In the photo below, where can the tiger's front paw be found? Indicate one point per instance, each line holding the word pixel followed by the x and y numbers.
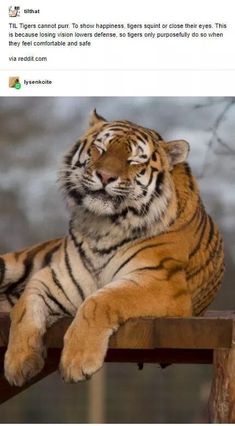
pixel 21 366
pixel 82 355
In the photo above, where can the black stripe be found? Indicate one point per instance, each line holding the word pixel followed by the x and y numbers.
pixel 141 173
pixel 196 248
pixel 50 296
pixel 123 242
pixel 87 263
pixel 59 285
pixel 73 193
pixel 151 177
pixel 141 141
pixel 154 133
pixel 67 262
pixel 117 216
pixel 45 303
pixel 59 304
pixel 215 253
pixel 51 311
pixel 149 268
pixel 211 231
pixel 209 291
pixel 49 254
pixel 8 297
pixel 189 175
pixel 159 183
pixel 144 135
pixel 155 169
pixel 203 217
pixel 118 128
pixel 28 265
pixel 135 254
pixel 68 157
pixel 22 316
pixel 158 267
pixel 2 270
pixel 155 155
pixel 197 271
pixel 77 164
pixel 144 209
pixel 174 270
pixel 84 144
pixel 115 247
pixel 188 223
pixel 17 293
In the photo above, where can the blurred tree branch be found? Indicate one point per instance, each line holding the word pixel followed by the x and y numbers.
pixel 215 138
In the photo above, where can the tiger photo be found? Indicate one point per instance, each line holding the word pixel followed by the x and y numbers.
pixel 139 244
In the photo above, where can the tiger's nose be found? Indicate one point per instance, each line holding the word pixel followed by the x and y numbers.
pixel 105 176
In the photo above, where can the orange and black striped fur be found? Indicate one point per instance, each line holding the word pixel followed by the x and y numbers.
pixel 140 243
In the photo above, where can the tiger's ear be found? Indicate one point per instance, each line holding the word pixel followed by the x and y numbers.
pixel 177 151
pixel 96 119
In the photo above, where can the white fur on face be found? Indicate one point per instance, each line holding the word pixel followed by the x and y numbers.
pixel 138 193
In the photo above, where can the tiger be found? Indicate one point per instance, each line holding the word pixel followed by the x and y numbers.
pixel 139 244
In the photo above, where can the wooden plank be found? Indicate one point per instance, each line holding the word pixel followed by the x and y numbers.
pixel 222 397
pixel 138 356
pixel 230 314
pixel 161 356
pixel 148 340
pixel 212 331
pixel 193 333
pixel 164 341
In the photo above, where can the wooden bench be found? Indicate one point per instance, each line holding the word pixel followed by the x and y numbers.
pixel 197 340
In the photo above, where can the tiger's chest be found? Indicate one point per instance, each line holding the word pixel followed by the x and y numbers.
pixel 101 253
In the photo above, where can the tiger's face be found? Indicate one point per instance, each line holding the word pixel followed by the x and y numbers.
pixel 119 166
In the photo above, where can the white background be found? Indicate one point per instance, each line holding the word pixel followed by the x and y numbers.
pixel 133 67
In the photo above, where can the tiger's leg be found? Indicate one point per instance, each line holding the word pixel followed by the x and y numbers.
pixel 135 295
pixel 16 268
pixel 41 304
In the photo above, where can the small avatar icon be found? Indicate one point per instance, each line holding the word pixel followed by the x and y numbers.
pixel 14 83
pixel 14 11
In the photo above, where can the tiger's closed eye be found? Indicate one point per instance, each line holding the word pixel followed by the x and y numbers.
pixel 133 161
pixel 138 159
pixel 99 147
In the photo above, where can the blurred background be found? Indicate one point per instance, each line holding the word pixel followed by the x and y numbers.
pixel 34 134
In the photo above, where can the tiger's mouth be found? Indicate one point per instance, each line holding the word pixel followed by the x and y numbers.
pixel 102 203
pixel 103 194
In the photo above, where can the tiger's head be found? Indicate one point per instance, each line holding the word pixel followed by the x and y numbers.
pixel 119 167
